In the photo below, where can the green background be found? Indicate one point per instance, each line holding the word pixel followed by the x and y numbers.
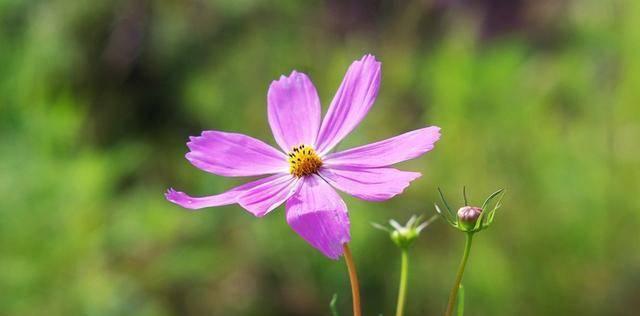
pixel 97 100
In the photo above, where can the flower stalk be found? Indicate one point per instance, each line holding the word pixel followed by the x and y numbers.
pixel 353 277
pixel 456 285
pixel 469 220
pixel 402 288
pixel 404 237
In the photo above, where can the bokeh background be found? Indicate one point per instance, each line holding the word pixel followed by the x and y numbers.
pixel 97 100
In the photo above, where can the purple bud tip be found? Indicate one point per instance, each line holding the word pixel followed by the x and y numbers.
pixel 469 213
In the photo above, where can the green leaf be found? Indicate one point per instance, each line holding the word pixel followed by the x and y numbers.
pixel 332 305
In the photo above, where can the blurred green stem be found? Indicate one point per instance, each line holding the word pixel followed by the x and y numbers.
pixel 461 301
pixel 456 285
pixel 402 290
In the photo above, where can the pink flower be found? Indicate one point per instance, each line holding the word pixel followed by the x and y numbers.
pixel 304 174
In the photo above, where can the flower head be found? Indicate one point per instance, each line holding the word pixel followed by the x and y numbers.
pixel 471 218
pixel 305 172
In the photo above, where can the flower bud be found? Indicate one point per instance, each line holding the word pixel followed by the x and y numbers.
pixel 471 219
pixel 404 236
pixel 468 215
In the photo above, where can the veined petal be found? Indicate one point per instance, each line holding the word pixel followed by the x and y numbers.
pixel 225 198
pixel 265 197
pixel 318 214
pixel 294 111
pixel 371 184
pixel 387 152
pixel 351 103
pixel 234 155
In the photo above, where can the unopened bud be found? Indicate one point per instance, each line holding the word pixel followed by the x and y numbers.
pixel 471 219
pixel 404 236
pixel 468 215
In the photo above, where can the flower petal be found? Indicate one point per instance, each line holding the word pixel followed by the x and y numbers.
pixel 318 214
pixel 351 103
pixel 225 198
pixel 234 155
pixel 265 197
pixel 387 152
pixel 294 111
pixel 371 184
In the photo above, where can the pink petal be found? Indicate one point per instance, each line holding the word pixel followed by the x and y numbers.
pixel 371 184
pixel 351 103
pixel 387 152
pixel 265 197
pixel 234 155
pixel 294 111
pixel 226 198
pixel 318 214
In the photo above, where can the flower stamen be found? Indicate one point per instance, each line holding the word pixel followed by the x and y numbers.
pixel 303 161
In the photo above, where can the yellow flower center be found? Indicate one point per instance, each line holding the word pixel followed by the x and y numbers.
pixel 303 161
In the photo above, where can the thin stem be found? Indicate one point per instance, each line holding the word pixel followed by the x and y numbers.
pixel 456 285
pixel 461 301
pixel 353 277
pixel 402 290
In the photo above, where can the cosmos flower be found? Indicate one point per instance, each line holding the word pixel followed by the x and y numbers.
pixel 305 174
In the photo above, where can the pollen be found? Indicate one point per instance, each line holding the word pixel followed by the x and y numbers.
pixel 303 161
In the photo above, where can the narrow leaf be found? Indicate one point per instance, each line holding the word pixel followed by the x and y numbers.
pixel 332 305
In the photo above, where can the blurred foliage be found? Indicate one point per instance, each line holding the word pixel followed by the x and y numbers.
pixel 97 99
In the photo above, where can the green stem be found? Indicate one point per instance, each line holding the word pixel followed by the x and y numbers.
pixel 461 301
pixel 456 285
pixel 404 274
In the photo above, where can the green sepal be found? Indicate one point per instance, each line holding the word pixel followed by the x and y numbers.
pixel 405 236
pixel 464 195
pixel 451 213
pixel 486 217
pixel 380 227
pixel 479 222
pixel 491 197
pixel 490 214
pixel 446 216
